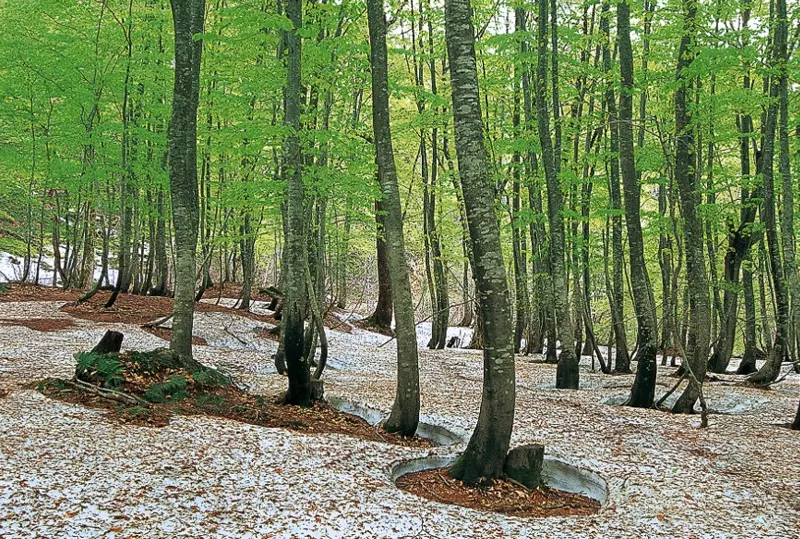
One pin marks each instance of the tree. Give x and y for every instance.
(381, 317)
(294, 272)
(187, 19)
(486, 451)
(781, 345)
(405, 411)
(643, 301)
(685, 163)
(567, 373)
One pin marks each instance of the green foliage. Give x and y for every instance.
(99, 368)
(3, 288)
(136, 412)
(173, 390)
(13, 246)
(208, 378)
(209, 400)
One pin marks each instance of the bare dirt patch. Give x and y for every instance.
(139, 310)
(29, 292)
(498, 496)
(48, 325)
(166, 334)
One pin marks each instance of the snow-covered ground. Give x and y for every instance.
(12, 269)
(66, 471)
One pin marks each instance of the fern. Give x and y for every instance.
(174, 389)
(105, 369)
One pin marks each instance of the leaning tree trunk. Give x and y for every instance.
(294, 271)
(486, 451)
(695, 359)
(567, 373)
(770, 370)
(644, 304)
(405, 411)
(188, 22)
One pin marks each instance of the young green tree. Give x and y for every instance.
(567, 373)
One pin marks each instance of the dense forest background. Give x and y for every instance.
(644, 158)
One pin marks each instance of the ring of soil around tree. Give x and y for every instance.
(435, 433)
(568, 490)
(48, 325)
(149, 388)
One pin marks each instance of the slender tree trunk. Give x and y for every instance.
(567, 373)
(617, 295)
(486, 451)
(697, 279)
(777, 91)
(644, 304)
(381, 317)
(405, 411)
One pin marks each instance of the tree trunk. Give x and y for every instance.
(381, 318)
(617, 295)
(697, 347)
(778, 91)
(644, 304)
(567, 373)
(405, 411)
(294, 271)
(486, 451)
(188, 22)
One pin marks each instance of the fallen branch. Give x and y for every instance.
(105, 393)
(232, 334)
(158, 323)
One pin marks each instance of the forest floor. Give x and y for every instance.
(72, 471)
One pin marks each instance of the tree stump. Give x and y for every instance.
(111, 343)
(524, 465)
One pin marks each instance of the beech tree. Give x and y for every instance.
(405, 411)
(187, 19)
(294, 273)
(644, 303)
(486, 451)
(567, 373)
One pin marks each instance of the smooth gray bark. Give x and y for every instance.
(188, 22)
(405, 411)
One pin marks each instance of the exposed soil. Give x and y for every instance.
(29, 292)
(498, 496)
(166, 334)
(39, 324)
(200, 394)
(139, 310)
